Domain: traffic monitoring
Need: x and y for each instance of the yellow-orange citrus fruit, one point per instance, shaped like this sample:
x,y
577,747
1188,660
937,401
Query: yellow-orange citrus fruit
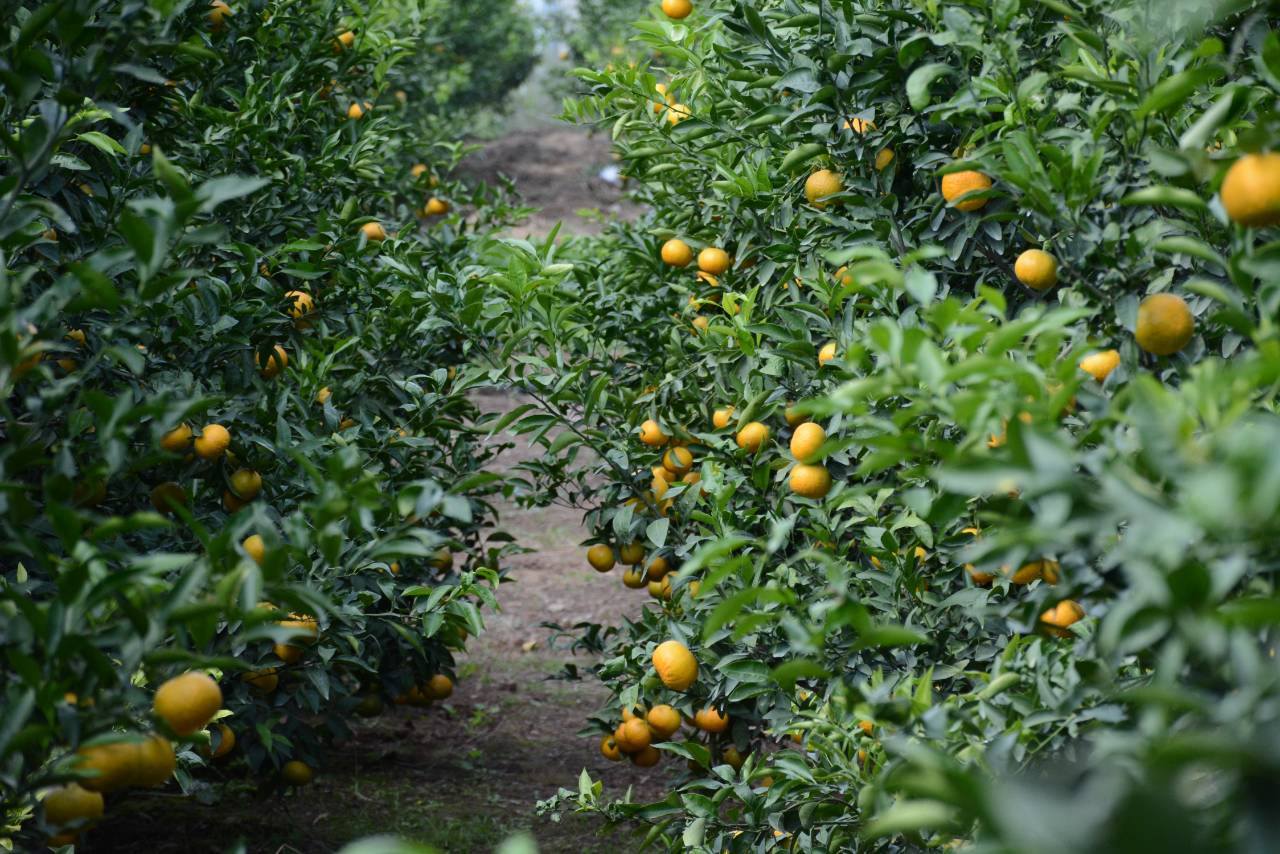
x,y
980,578
678,113
810,481
226,742
297,773
711,720
678,461
166,496
156,762
246,484
646,758
600,557
651,434
658,567
713,260
262,681
734,759
78,336
302,304
820,185
720,418
1036,269
660,589
177,440
957,184
417,170
631,553
374,232
1100,365
188,702
633,712
676,253
255,548
344,41
635,578
883,158
806,440
323,395
1251,190
609,749
438,687
1047,570
436,207
794,418
1165,324
219,11
72,803
676,666
633,735
677,9
213,441
701,323
827,353
276,362
663,720
109,767
662,473
752,436
1057,619
859,125
355,111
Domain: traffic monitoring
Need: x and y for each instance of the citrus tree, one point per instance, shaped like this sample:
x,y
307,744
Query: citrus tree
x,y
244,496
930,405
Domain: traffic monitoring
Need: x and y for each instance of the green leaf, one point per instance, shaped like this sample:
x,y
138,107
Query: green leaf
x,y
921,79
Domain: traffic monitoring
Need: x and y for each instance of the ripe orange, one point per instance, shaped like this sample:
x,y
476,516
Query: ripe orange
x,y
701,323
302,304
633,712
1165,324
1036,269
711,720
156,762
1251,190
246,484
219,11
676,666
438,687
734,759
374,232
651,434
859,125
957,184
355,112
417,170
658,568
678,461
177,440
262,681
677,9
109,767
188,702
634,578
323,395
633,736
436,207
1057,619
1048,570
713,260
827,353
1100,365
631,553
255,547
344,41
226,742
212,441
810,481
663,720
276,362
609,749
297,773
678,113
883,158
794,419
649,756
820,185
600,557
72,803
660,589
676,253
752,436
720,418
167,496
806,440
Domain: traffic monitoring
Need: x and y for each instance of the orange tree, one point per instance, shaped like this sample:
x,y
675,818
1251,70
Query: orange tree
x,y
238,460
930,405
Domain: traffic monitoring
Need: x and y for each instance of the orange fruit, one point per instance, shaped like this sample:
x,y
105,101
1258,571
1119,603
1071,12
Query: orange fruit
x,y
827,353
219,11
702,324
883,158
752,436
436,207
658,568
156,762
1036,269
600,557
417,170
1057,619
323,395
794,419
634,578
676,666
438,687
72,803
649,756
188,702
651,434
109,767
261,681
212,442
677,9
297,773
660,589
246,484
1165,324
820,185
165,497
663,720
721,417
678,113
733,758
177,440
1100,365
810,481
633,736
676,253
302,304
1251,190
806,440
276,362
631,554
374,232
957,184
713,260
711,720
859,125
678,461
226,742
609,749
344,41
255,547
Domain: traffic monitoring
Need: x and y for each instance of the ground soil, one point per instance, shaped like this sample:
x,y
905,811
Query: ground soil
x,y
464,774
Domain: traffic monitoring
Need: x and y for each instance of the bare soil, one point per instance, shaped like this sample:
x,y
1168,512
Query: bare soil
x,y
557,170
465,774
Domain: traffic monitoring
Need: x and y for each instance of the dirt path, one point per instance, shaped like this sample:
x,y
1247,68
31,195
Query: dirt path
x,y
465,774
557,170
